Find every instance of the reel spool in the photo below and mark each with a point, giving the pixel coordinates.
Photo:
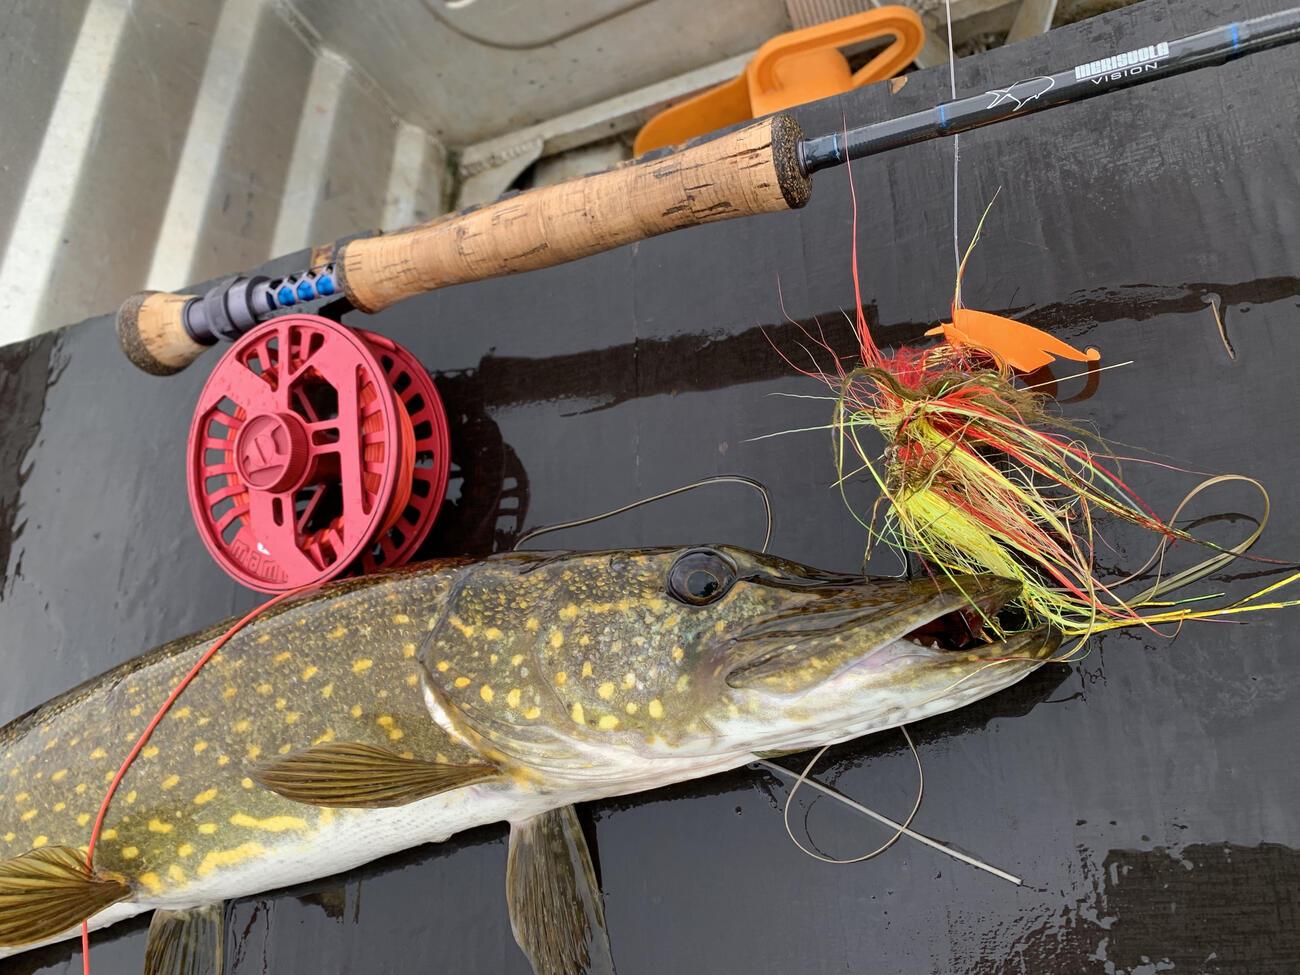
(315, 449)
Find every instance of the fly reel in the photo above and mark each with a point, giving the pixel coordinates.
(316, 449)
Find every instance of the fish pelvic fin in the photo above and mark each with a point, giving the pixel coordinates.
(45, 892)
(186, 942)
(556, 910)
(351, 774)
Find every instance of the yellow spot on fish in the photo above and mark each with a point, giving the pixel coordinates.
(108, 834)
(337, 632)
(561, 677)
(22, 797)
(326, 735)
(629, 681)
(444, 666)
(282, 656)
(228, 858)
(158, 826)
(492, 633)
(246, 782)
(253, 752)
(384, 720)
(584, 640)
(272, 824)
(532, 624)
(264, 638)
(630, 707)
(184, 850)
(577, 713)
(207, 829)
(28, 816)
(59, 776)
(229, 692)
(533, 713)
(462, 682)
(655, 708)
(149, 751)
(569, 612)
(131, 797)
(223, 760)
(291, 717)
(486, 693)
(181, 713)
(396, 734)
(516, 660)
(682, 681)
(607, 722)
(135, 711)
(586, 668)
(408, 650)
(170, 781)
(80, 789)
(327, 691)
(605, 690)
(130, 852)
(309, 672)
(362, 665)
(412, 680)
(678, 653)
(464, 629)
(356, 711)
(176, 874)
(557, 639)
(60, 806)
(200, 747)
(280, 703)
(401, 618)
(39, 842)
(151, 880)
(284, 749)
(513, 697)
(207, 795)
(83, 819)
(242, 725)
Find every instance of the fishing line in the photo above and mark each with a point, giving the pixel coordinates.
(833, 793)
(956, 152)
(145, 735)
(718, 479)
(804, 776)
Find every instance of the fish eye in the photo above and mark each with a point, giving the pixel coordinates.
(700, 577)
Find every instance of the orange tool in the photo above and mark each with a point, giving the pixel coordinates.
(1020, 346)
(791, 69)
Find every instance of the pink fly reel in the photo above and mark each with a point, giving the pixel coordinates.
(315, 449)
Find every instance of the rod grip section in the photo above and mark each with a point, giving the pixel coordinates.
(752, 170)
(151, 330)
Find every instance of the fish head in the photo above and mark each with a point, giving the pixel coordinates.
(599, 664)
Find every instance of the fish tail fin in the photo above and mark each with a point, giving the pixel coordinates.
(47, 891)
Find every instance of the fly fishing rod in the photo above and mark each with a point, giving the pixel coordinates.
(763, 167)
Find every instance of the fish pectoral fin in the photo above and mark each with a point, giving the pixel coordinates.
(556, 910)
(44, 892)
(355, 775)
(186, 942)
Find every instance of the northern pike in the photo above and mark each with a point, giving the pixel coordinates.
(387, 712)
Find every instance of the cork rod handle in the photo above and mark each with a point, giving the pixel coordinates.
(752, 170)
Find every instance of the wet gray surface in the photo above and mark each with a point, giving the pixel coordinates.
(1147, 795)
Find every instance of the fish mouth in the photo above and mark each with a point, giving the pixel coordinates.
(934, 618)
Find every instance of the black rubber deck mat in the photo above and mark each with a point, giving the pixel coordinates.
(1148, 795)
